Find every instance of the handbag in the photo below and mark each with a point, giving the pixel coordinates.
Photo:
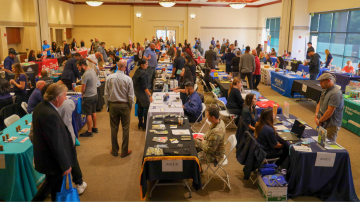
(70, 194)
(79, 110)
(136, 108)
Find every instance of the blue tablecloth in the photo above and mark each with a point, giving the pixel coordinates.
(306, 69)
(160, 66)
(219, 73)
(130, 64)
(55, 78)
(77, 120)
(282, 83)
(19, 179)
(342, 79)
(273, 60)
(327, 183)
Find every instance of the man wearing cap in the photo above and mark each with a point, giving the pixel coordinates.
(46, 47)
(193, 104)
(329, 111)
(9, 60)
(314, 65)
(310, 48)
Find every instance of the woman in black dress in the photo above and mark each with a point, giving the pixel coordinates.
(32, 56)
(142, 93)
(53, 47)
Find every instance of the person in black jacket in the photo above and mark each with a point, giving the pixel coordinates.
(314, 65)
(71, 72)
(310, 49)
(179, 63)
(192, 66)
(53, 46)
(66, 50)
(208, 79)
(54, 148)
(73, 44)
(265, 134)
(268, 60)
(32, 57)
(281, 63)
(82, 43)
(249, 113)
(235, 101)
(235, 63)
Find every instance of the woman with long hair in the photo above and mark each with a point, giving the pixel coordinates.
(281, 62)
(265, 134)
(32, 56)
(185, 76)
(248, 113)
(190, 63)
(180, 47)
(142, 93)
(20, 82)
(5, 96)
(208, 79)
(329, 58)
(188, 51)
(53, 47)
(262, 57)
(228, 57)
(273, 52)
(235, 101)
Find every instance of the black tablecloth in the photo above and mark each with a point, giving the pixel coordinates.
(224, 87)
(34, 67)
(294, 66)
(327, 183)
(100, 102)
(152, 165)
(313, 90)
(61, 60)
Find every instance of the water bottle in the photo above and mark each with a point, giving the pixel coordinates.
(302, 74)
(166, 87)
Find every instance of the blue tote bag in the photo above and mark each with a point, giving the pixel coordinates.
(79, 110)
(70, 194)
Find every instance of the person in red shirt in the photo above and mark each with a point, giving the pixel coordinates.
(348, 68)
(257, 72)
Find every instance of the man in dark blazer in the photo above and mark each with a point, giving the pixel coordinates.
(54, 149)
(73, 44)
(71, 72)
(66, 50)
(210, 57)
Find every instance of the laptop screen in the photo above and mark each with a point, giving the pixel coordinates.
(298, 128)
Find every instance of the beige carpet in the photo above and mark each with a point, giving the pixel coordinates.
(117, 179)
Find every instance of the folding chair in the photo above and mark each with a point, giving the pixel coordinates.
(195, 87)
(205, 87)
(225, 113)
(11, 119)
(224, 161)
(196, 122)
(24, 106)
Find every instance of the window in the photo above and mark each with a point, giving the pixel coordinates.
(339, 32)
(273, 29)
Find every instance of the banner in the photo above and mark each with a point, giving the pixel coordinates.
(351, 116)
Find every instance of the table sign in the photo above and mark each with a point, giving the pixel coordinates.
(172, 165)
(2, 161)
(304, 88)
(324, 159)
(286, 109)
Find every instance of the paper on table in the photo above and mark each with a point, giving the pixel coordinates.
(291, 120)
(257, 107)
(308, 128)
(2, 161)
(302, 148)
(281, 127)
(157, 105)
(288, 76)
(316, 138)
(181, 132)
(263, 100)
(324, 159)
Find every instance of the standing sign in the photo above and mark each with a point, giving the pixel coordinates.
(172, 165)
(286, 109)
(351, 116)
(324, 159)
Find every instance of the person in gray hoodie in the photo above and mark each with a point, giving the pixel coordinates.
(314, 64)
(247, 66)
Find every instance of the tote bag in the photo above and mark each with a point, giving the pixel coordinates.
(70, 194)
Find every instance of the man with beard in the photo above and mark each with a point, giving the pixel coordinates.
(71, 72)
(193, 104)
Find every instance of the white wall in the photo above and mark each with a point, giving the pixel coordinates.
(271, 11)
(331, 5)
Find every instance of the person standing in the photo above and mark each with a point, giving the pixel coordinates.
(218, 55)
(35, 97)
(96, 45)
(54, 149)
(210, 57)
(179, 63)
(82, 43)
(66, 50)
(310, 49)
(192, 66)
(71, 72)
(20, 83)
(92, 46)
(258, 49)
(46, 47)
(329, 58)
(92, 61)
(9, 61)
(247, 66)
(146, 43)
(150, 56)
(119, 99)
(89, 95)
(314, 65)
(228, 58)
(101, 49)
(257, 72)
(170, 52)
(73, 44)
(223, 48)
(143, 95)
(235, 63)
(212, 42)
(329, 111)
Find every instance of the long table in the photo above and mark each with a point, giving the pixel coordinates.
(327, 183)
(351, 116)
(266, 75)
(152, 166)
(34, 67)
(47, 64)
(78, 120)
(342, 79)
(18, 177)
(282, 83)
(308, 88)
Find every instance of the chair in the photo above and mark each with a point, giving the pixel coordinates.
(11, 119)
(205, 87)
(24, 106)
(8, 111)
(225, 113)
(195, 87)
(233, 142)
(196, 122)
(212, 86)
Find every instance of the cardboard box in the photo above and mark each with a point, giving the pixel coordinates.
(271, 193)
(351, 88)
(354, 93)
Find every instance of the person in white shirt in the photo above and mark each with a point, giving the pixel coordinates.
(146, 42)
(92, 62)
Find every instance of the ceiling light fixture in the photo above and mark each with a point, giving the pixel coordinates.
(167, 3)
(138, 15)
(237, 5)
(94, 3)
(192, 16)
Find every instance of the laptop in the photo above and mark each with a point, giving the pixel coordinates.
(296, 132)
(277, 121)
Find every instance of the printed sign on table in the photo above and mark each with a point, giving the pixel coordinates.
(172, 165)
(324, 159)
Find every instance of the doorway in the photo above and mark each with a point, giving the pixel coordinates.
(171, 34)
(59, 36)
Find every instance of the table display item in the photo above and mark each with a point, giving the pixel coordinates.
(185, 138)
(181, 121)
(7, 136)
(26, 122)
(1, 148)
(160, 139)
(322, 133)
(4, 138)
(154, 151)
(158, 127)
(157, 122)
(161, 132)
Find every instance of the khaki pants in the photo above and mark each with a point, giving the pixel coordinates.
(332, 132)
(119, 112)
(101, 64)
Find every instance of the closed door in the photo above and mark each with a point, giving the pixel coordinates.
(59, 36)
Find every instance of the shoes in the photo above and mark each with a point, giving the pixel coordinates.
(143, 127)
(95, 130)
(140, 125)
(81, 188)
(125, 155)
(86, 134)
(113, 153)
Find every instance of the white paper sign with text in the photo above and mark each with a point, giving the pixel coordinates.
(324, 159)
(172, 165)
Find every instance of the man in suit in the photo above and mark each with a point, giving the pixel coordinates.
(66, 50)
(54, 149)
(71, 72)
(73, 44)
(210, 56)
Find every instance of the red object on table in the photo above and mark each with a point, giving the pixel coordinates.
(83, 53)
(271, 103)
(200, 61)
(47, 64)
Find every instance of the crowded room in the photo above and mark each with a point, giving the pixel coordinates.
(179, 100)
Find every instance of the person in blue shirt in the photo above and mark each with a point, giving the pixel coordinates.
(329, 58)
(46, 47)
(35, 97)
(193, 104)
(150, 56)
(213, 42)
(20, 83)
(9, 61)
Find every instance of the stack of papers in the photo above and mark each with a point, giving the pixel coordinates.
(302, 148)
(281, 127)
(181, 132)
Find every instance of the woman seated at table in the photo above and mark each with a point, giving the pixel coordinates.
(5, 97)
(285, 53)
(273, 52)
(189, 62)
(208, 79)
(268, 60)
(280, 62)
(265, 135)
(248, 113)
(32, 57)
(228, 57)
(262, 57)
(348, 68)
(329, 58)
(235, 101)
(20, 83)
(142, 93)
(39, 55)
(185, 76)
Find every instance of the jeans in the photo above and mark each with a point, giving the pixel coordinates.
(249, 77)
(151, 75)
(142, 114)
(313, 76)
(256, 79)
(119, 112)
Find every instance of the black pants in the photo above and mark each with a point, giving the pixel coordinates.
(256, 79)
(20, 97)
(51, 185)
(6, 102)
(76, 174)
(236, 111)
(67, 83)
(278, 153)
(249, 77)
(142, 114)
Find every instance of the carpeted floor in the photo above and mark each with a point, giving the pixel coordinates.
(117, 179)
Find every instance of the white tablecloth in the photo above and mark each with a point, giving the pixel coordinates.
(266, 75)
(158, 109)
